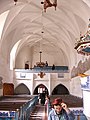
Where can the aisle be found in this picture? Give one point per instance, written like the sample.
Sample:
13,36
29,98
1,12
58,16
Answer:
39,113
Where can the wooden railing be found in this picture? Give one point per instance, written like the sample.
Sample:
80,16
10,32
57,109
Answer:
23,113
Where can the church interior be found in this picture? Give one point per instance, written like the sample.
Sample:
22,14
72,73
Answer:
44,47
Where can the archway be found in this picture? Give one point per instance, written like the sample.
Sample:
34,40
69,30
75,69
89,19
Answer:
40,89
22,89
60,90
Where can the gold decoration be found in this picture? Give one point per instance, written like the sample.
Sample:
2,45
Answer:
41,74
82,75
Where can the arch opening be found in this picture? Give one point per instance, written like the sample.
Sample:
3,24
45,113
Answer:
40,89
60,90
21,89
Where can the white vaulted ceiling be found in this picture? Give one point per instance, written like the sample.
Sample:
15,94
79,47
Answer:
25,22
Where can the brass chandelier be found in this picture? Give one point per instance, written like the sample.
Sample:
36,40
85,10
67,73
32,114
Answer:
40,64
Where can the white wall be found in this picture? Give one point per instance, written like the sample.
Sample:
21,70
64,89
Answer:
51,80
75,86
32,55
86,102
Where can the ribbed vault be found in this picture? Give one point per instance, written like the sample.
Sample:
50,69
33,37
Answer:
26,21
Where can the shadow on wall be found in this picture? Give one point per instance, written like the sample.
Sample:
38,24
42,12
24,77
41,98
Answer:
22,89
60,90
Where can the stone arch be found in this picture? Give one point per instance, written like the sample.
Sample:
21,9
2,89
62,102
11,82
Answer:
37,89
60,90
22,89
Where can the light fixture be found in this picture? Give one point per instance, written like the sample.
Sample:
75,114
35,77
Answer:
83,44
47,4
40,64
15,1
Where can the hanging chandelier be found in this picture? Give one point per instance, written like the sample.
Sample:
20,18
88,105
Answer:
83,44
15,1
40,64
